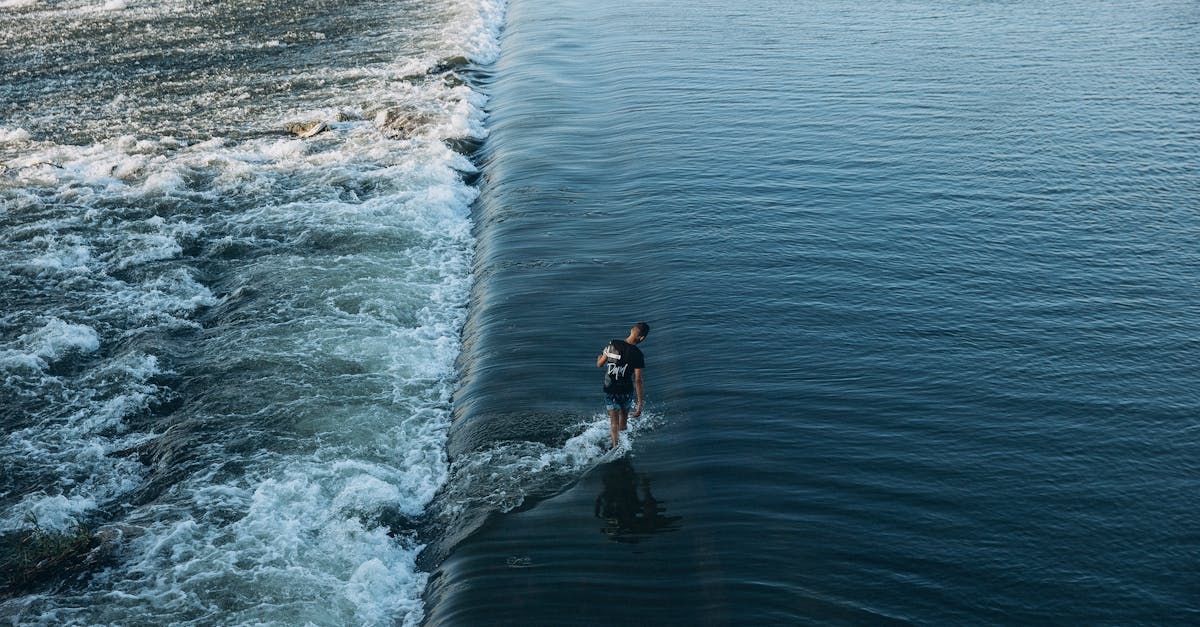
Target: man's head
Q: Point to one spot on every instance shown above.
(639, 332)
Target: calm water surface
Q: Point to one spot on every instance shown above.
(923, 282)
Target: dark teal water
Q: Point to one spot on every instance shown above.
(922, 278)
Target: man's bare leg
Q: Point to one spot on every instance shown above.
(618, 420)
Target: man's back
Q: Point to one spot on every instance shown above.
(623, 359)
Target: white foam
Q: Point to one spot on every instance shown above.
(500, 478)
(50, 343)
(62, 256)
(479, 30)
(175, 292)
(78, 447)
(143, 248)
(303, 560)
(284, 151)
(14, 135)
(161, 183)
(56, 513)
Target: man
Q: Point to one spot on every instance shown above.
(623, 375)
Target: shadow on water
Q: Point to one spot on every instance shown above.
(517, 557)
(630, 512)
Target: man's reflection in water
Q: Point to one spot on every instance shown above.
(628, 518)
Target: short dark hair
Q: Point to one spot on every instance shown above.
(642, 328)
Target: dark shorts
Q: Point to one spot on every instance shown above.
(618, 401)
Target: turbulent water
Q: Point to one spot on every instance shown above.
(225, 350)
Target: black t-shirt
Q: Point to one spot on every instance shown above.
(623, 359)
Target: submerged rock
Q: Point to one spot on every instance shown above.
(304, 130)
(404, 124)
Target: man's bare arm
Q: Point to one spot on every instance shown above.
(637, 383)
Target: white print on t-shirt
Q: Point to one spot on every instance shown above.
(617, 372)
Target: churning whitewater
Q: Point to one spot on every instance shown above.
(227, 351)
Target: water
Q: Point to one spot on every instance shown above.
(922, 281)
(225, 350)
